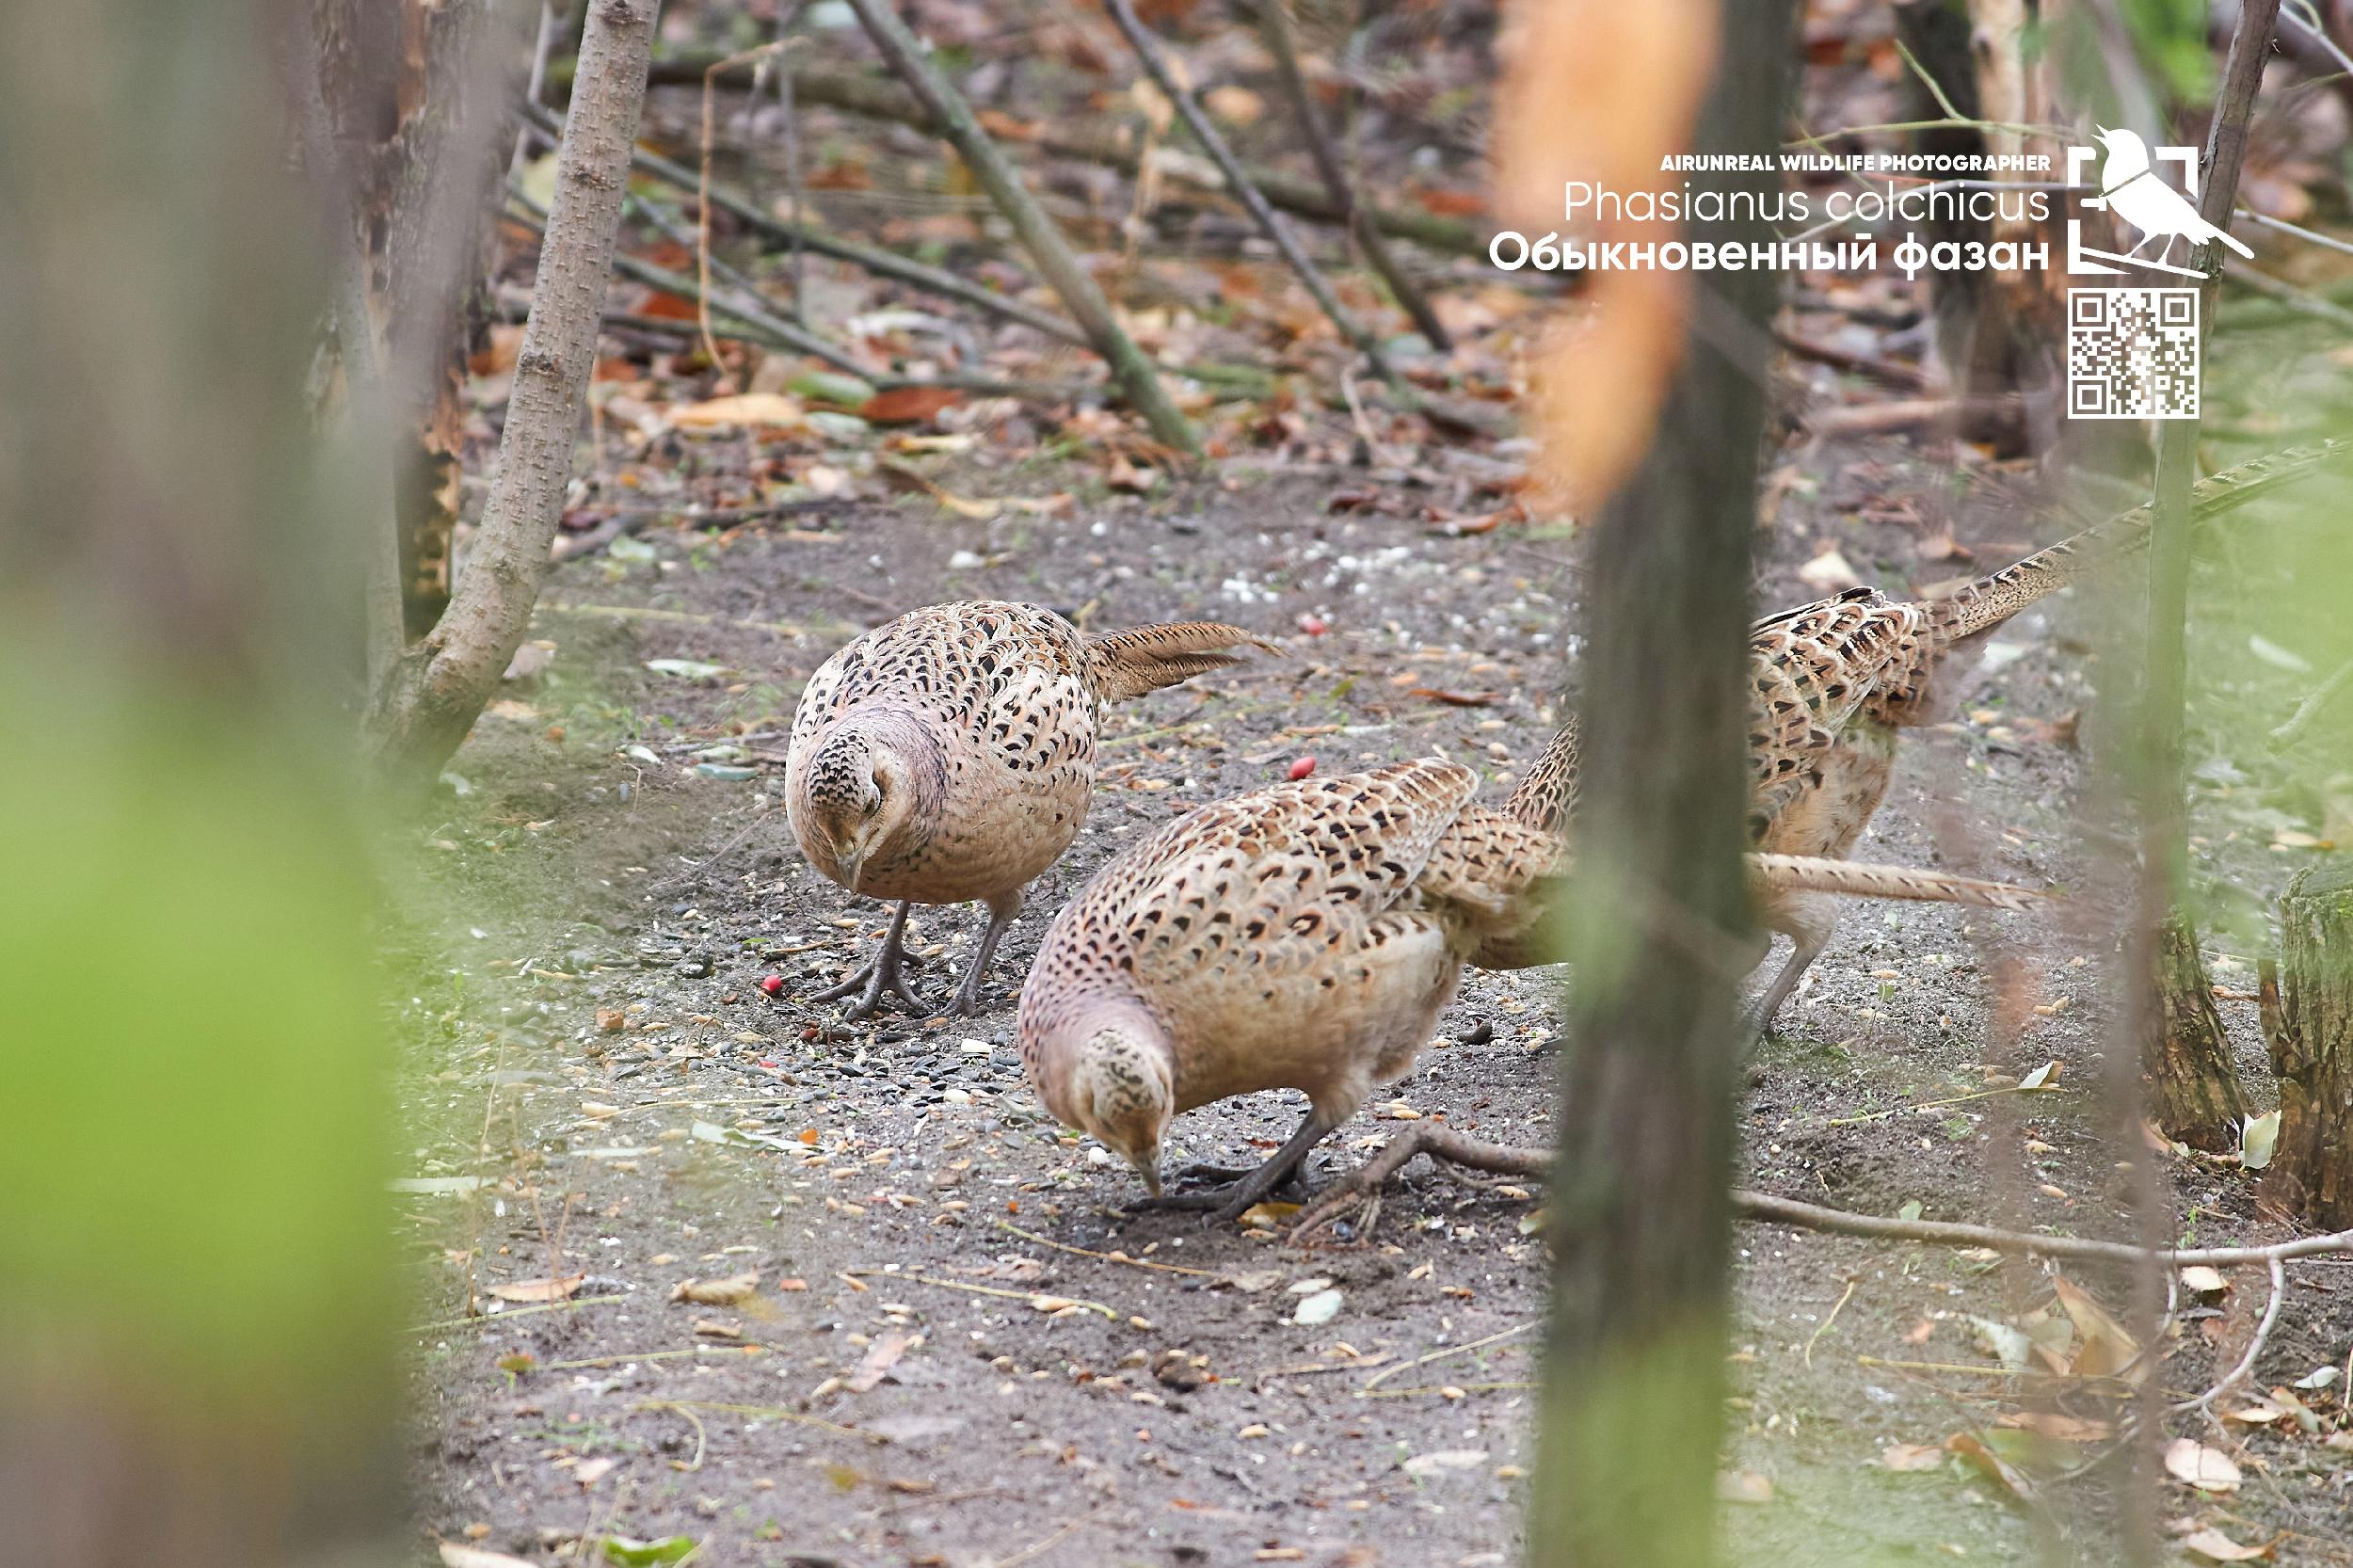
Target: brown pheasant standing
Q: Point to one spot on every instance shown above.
(1836, 679)
(1306, 936)
(950, 755)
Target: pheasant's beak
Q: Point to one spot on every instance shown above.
(1149, 1169)
(850, 862)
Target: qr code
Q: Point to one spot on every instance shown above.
(2132, 353)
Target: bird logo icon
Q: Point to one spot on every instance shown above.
(2131, 188)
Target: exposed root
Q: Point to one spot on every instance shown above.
(1360, 1190)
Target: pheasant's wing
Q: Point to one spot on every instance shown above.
(1282, 882)
(1815, 671)
(1012, 681)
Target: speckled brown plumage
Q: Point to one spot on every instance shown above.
(1833, 680)
(949, 754)
(1306, 936)
(1836, 679)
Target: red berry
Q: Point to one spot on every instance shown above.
(1301, 768)
(773, 984)
(1315, 626)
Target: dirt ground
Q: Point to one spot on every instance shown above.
(960, 1351)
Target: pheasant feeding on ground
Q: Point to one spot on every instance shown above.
(1834, 680)
(1306, 936)
(949, 754)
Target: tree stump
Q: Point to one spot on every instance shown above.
(2310, 1033)
(2194, 1089)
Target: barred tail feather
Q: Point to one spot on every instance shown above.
(1147, 658)
(1547, 796)
(1990, 601)
(1802, 874)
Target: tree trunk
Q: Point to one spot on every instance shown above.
(1634, 1379)
(2194, 1091)
(440, 686)
(198, 1282)
(2310, 1031)
(416, 92)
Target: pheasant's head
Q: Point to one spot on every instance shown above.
(854, 799)
(1121, 1089)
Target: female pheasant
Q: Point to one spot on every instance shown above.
(1306, 935)
(1833, 681)
(948, 755)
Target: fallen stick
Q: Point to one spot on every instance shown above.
(1274, 26)
(740, 303)
(1892, 373)
(1766, 1209)
(853, 93)
(1038, 234)
(874, 258)
(1156, 65)
(2310, 709)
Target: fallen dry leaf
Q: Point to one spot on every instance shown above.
(1993, 1465)
(733, 1289)
(1827, 573)
(455, 1556)
(1912, 1456)
(1743, 1486)
(902, 477)
(881, 1356)
(537, 1289)
(2207, 1469)
(2108, 1350)
(2203, 1279)
(747, 408)
(2214, 1546)
(907, 405)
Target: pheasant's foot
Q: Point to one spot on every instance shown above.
(967, 998)
(882, 975)
(1360, 1190)
(1233, 1201)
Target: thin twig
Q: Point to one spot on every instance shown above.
(1844, 1297)
(701, 1438)
(795, 185)
(1156, 65)
(1274, 26)
(1081, 294)
(702, 192)
(1108, 1257)
(2255, 1346)
(776, 1412)
(883, 264)
(1033, 1298)
(2311, 707)
(1496, 1338)
(483, 1319)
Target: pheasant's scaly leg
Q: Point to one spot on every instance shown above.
(1001, 915)
(1230, 1202)
(882, 975)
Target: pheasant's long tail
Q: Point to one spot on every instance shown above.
(1990, 601)
(1145, 659)
(1803, 874)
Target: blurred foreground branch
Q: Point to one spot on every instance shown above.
(1634, 1380)
(835, 89)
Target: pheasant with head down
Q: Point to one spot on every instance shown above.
(949, 754)
(1306, 935)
